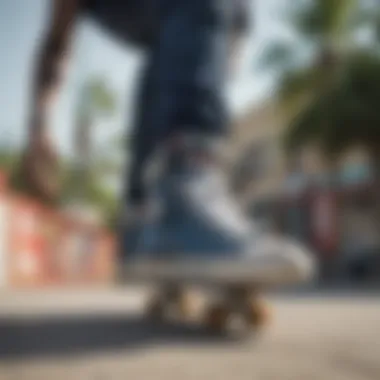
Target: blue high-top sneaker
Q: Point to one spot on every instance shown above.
(201, 235)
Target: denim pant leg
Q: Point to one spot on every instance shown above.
(190, 59)
(183, 88)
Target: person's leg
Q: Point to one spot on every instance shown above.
(183, 97)
(181, 88)
(190, 60)
(201, 220)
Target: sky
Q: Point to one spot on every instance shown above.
(93, 54)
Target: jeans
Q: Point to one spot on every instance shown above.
(182, 86)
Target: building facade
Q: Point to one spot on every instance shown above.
(329, 206)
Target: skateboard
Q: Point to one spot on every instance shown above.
(231, 290)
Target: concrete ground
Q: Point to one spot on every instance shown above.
(99, 334)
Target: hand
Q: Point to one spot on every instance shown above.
(39, 167)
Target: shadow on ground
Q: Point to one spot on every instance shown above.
(66, 337)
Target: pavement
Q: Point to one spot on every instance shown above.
(99, 334)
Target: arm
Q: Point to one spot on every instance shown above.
(40, 163)
(50, 62)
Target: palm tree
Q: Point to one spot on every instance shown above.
(323, 38)
(96, 100)
(346, 113)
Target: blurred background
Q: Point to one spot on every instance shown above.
(303, 157)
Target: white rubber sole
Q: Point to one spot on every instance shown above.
(265, 273)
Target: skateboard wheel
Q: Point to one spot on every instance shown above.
(184, 305)
(217, 318)
(156, 310)
(258, 313)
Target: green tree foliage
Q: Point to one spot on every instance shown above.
(333, 92)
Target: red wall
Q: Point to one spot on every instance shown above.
(45, 248)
